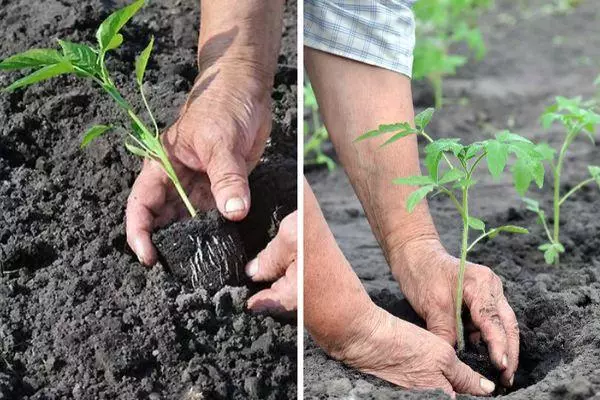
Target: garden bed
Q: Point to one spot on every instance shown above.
(79, 316)
(533, 56)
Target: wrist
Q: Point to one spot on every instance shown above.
(415, 254)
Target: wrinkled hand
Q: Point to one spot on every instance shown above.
(216, 142)
(277, 262)
(427, 275)
(406, 355)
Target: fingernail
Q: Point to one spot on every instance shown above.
(487, 386)
(505, 361)
(252, 267)
(511, 380)
(139, 250)
(234, 204)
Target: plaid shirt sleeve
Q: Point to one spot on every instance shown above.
(376, 32)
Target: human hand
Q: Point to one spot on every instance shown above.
(216, 142)
(427, 275)
(277, 262)
(406, 355)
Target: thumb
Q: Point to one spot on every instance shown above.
(272, 262)
(464, 380)
(229, 184)
(442, 325)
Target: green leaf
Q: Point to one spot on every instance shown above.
(477, 224)
(33, 58)
(453, 175)
(497, 155)
(368, 135)
(47, 72)
(113, 24)
(93, 133)
(416, 197)
(387, 128)
(532, 205)
(114, 93)
(595, 173)
(418, 180)
(545, 151)
(507, 137)
(135, 150)
(116, 41)
(142, 62)
(522, 176)
(398, 136)
(423, 118)
(550, 255)
(434, 152)
(81, 56)
(507, 228)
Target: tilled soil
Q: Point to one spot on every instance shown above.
(79, 317)
(533, 56)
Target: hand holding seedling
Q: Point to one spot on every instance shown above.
(221, 132)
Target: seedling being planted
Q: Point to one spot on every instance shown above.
(458, 178)
(577, 117)
(89, 62)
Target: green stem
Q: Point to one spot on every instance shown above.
(545, 225)
(461, 272)
(436, 82)
(430, 140)
(556, 203)
(156, 132)
(576, 188)
(170, 171)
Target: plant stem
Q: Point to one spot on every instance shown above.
(168, 167)
(436, 82)
(576, 188)
(557, 171)
(156, 132)
(461, 271)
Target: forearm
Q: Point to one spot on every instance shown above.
(355, 98)
(245, 32)
(334, 299)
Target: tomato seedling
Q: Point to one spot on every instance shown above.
(459, 177)
(577, 117)
(316, 135)
(440, 26)
(89, 62)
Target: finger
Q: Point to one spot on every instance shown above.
(511, 326)
(442, 324)
(228, 176)
(464, 380)
(280, 298)
(272, 262)
(139, 222)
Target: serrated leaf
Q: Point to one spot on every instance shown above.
(94, 132)
(507, 228)
(47, 72)
(417, 180)
(545, 151)
(477, 224)
(387, 128)
(497, 155)
(416, 197)
(33, 58)
(81, 56)
(135, 150)
(532, 205)
(142, 62)
(507, 137)
(116, 41)
(113, 24)
(453, 175)
(368, 135)
(423, 118)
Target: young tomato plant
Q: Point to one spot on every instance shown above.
(577, 117)
(440, 26)
(89, 62)
(315, 133)
(458, 178)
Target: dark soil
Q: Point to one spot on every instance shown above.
(79, 317)
(533, 56)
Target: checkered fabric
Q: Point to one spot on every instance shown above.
(376, 32)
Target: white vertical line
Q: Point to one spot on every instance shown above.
(300, 230)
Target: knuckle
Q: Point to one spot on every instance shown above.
(288, 229)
